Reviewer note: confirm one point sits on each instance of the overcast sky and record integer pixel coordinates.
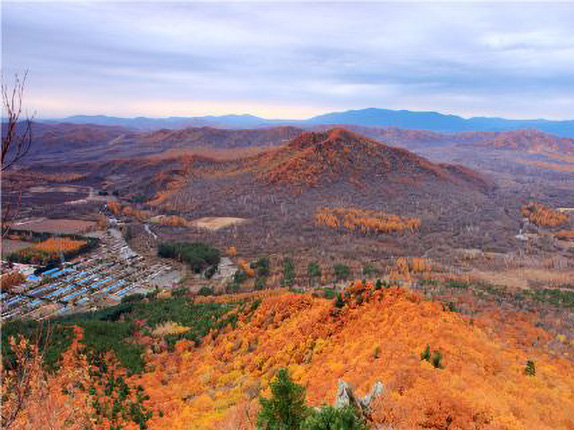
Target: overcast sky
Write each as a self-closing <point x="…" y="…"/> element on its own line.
<point x="292" y="60"/>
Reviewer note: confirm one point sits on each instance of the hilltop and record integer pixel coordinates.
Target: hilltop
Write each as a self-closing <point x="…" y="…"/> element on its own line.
<point x="529" y="140"/>
<point x="341" y="155"/>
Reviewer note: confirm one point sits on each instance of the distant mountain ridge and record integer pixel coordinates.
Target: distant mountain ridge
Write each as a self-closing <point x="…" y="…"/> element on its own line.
<point x="370" y="117"/>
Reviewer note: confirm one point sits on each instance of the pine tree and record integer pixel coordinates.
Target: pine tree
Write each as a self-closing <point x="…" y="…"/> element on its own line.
<point x="437" y="360"/>
<point x="339" y="302"/>
<point x="530" y="369"/>
<point x="288" y="272"/>
<point x="286" y="409"/>
<point x="426" y="354"/>
<point x="314" y="270"/>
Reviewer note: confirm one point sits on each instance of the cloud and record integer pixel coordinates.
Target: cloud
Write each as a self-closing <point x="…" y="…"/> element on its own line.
<point x="293" y="59"/>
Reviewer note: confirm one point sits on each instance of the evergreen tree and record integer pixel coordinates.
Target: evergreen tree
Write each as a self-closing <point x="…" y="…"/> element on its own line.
<point x="330" y="418"/>
<point x="437" y="360"/>
<point x="262" y="267"/>
<point x="426" y="354"/>
<point x="339" y="302"/>
<point x="286" y="409"/>
<point x="342" y="271"/>
<point x="288" y="272"/>
<point x="314" y="270"/>
<point x="530" y="369"/>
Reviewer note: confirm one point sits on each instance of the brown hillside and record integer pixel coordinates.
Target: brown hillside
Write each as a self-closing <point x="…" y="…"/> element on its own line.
<point x="530" y="140"/>
<point x="219" y="138"/>
<point x="317" y="158"/>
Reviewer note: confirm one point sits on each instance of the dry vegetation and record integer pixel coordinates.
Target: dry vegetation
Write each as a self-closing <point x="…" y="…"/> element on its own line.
<point x="543" y="215"/>
<point x="10" y="280"/>
<point x="365" y="221"/>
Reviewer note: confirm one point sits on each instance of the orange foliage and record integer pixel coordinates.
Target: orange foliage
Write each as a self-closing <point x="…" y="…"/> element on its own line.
<point x="231" y="251"/>
<point x="10" y="280"/>
<point x="172" y="180"/>
<point x="54" y="245"/>
<point x="482" y="385"/>
<point x="565" y="234"/>
<point x="543" y="215"/>
<point x="246" y="268"/>
<point x="136" y="213"/>
<point x="364" y="220"/>
<point x="114" y="207"/>
<point x="173" y="220"/>
<point x="35" y="399"/>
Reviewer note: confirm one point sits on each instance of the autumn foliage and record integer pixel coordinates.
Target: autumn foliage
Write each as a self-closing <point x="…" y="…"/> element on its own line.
<point x="376" y="335"/>
<point x="565" y="234"/>
<point x="82" y="394"/>
<point x="543" y="215"/>
<point x="49" y="249"/>
<point x="364" y="220"/>
<point x="59" y="244"/>
<point x="10" y="280"/>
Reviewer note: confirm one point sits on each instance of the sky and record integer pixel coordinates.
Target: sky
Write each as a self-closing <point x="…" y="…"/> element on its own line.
<point x="291" y="60"/>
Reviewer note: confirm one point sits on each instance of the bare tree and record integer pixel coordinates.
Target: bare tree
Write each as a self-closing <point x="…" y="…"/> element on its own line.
<point x="16" y="135"/>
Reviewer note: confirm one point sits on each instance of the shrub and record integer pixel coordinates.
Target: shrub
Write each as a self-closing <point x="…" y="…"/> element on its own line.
<point x="262" y="267"/>
<point x="197" y="255"/>
<point x="339" y="302"/>
<point x="205" y="291"/>
<point x="314" y="270"/>
<point x="426" y="354"/>
<point x="133" y="298"/>
<point x="260" y="284"/>
<point x="286" y="409"/>
<point x="210" y="271"/>
<point x="232" y="288"/>
<point x="530" y="369"/>
<point x="239" y="276"/>
<point x="342" y="272"/>
<point x="437" y="360"/>
<point x="180" y="292"/>
<point x="288" y="272"/>
<point x="329" y="293"/>
<point x="369" y="269"/>
<point x="330" y="418"/>
<point x="457" y="284"/>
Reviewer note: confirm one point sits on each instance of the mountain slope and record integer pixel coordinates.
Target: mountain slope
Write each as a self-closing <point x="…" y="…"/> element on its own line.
<point x="528" y="140"/>
<point x="375" y="336"/>
<point x="316" y="158"/>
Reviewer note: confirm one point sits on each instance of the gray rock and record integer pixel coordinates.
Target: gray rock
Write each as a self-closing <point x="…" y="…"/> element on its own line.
<point x="346" y="398"/>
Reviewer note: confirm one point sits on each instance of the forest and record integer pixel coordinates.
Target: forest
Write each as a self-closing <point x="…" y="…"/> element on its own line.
<point x="220" y="361"/>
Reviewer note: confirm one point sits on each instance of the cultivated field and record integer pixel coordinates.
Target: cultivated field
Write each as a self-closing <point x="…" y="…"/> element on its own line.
<point x="55" y="226"/>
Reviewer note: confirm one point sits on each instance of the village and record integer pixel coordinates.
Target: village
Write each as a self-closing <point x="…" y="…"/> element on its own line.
<point x="91" y="281"/>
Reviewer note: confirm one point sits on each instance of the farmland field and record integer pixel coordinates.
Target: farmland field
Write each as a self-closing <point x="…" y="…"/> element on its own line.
<point x="9" y="246"/>
<point x="55" y="226"/>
